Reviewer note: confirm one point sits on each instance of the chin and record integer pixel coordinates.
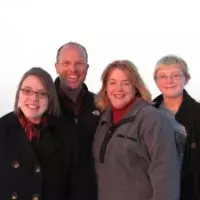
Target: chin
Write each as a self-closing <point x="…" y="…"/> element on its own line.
<point x="74" y="86"/>
<point x="119" y="106"/>
<point x="173" y="95"/>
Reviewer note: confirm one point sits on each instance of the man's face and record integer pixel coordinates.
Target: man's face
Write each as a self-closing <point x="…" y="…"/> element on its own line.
<point x="72" y="66"/>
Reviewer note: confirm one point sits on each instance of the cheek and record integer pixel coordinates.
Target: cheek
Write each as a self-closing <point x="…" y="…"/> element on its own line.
<point x="83" y="72"/>
<point x="21" y="100"/>
<point x="182" y="84"/>
<point x="63" y="72"/>
<point x="44" y="104"/>
<point x="130" y="93"/>
<point x="160" y="85"/>
<point x="109" y="90"/>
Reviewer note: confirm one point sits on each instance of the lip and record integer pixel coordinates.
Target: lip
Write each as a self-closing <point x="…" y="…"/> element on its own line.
<point x="170" y="87"/>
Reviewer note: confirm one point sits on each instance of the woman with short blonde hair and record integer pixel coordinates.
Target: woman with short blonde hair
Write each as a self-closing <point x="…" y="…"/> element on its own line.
<point x="171" y="75"/>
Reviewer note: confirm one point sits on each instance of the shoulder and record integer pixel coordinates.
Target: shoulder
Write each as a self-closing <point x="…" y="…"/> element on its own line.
<point x="149" y="116"/>
<point x="188" y="100"/>
<point x="147" y="110"/>
<point x="189" y="107"/>
<point x="157" y="100"/>
<point x="8" y="122"/>
<point x="88" y="94"/>
<point x="9" y="119"/>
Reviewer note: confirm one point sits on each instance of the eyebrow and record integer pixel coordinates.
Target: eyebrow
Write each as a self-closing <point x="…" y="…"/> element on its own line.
<point x="125" y="80"/>
<point x="28" y="87"/>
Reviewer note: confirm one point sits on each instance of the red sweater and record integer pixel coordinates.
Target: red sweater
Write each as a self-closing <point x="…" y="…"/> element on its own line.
<point x="118" y="113"/>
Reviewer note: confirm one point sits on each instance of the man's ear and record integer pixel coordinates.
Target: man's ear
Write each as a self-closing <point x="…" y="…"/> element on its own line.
<point x="56" y="66"/>
<point x="88" y="65"/>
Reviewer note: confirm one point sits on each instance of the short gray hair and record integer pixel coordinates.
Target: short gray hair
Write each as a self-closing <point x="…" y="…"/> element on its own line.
<point x="172" y="60"/>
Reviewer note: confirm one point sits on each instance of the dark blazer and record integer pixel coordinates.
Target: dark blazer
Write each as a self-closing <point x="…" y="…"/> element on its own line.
<point x="53" y="168"/>
<point x="189" y="116"/>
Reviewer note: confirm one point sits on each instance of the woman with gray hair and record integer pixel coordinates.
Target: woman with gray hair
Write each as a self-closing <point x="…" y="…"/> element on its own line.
<point x="171" y="75"/>
<point x="39" y="150"/>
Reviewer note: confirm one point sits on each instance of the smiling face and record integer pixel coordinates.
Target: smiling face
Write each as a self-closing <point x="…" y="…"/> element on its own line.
<point x="171" y="80"/>
<point x="33" y="99"/>
<point x="119" y="89"/>
<point x="72" y="66"/>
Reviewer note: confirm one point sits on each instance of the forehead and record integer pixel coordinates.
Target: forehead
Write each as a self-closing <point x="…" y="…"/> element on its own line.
<point x="33" y="82"/>
<point x="118" y="74"/>
<point x="169" y="68"/>
<point x="70" y="52"/>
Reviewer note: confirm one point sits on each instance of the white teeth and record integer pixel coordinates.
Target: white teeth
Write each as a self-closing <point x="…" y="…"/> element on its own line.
<point x="32" y="106"/>
<point x="72" y="77"/>
<point x="119" y="95"/>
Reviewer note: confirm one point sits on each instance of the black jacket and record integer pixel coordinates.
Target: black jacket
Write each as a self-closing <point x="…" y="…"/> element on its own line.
<point x="86" y="120"/>
<point x="189" y="116"/>
<point x="55" y="169"/>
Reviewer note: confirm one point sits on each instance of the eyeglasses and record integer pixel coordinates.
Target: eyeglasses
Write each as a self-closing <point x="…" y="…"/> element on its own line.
<point x="172" y="76"/>
<point x="30" y="92"/>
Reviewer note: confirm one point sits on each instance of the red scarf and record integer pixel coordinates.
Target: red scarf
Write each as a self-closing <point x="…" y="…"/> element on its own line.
<point x="118" y="114"/>
<point x="32" y="131"/>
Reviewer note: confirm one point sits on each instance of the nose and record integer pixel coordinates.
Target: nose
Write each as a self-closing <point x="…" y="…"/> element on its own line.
<point x="119" y="87"/>
<point x="169" y="79"/>
<point x="72" y="67"/>
<point x="35" y="97"/>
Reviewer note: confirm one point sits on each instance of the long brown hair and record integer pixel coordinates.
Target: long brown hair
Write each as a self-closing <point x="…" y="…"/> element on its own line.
<point x="47" y="81"/>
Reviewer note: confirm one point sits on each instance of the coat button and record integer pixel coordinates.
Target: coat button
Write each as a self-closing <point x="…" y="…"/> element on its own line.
<point x="14" y="195"/>
<point x="193" y="145"/>
<point x="37" y="169"/>
<point x="76" y="120"/>
<point x="15" y="164"/>
<point x="35" y="197"/>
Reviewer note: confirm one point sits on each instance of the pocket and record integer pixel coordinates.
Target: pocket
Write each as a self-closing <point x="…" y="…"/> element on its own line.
<point x="129" y="143"/>
<point x="126" y="137"/>
<point x="133" y="146"/>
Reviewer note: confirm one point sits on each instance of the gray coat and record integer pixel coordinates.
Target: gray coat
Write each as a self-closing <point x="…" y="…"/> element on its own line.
<point x="136" y="159"/>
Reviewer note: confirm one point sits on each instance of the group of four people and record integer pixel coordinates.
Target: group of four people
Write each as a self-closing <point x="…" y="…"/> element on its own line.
<point x="62" y="142"/>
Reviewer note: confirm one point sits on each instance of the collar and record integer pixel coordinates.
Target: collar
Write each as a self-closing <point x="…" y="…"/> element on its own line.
<point x="187" y="105"/>
<point x="132" y="111"/>
<point x="11" y="119"/>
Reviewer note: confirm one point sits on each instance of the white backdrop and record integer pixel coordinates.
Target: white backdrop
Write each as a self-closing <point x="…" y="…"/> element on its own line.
<point x="139" y="30"/>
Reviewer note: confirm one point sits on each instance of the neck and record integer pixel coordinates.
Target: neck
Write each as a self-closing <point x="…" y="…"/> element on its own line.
<point x="173" y="104"/>
<point x="118" y="113"/>
<point x="71" y="93"/>
<point x="34" y="120"/>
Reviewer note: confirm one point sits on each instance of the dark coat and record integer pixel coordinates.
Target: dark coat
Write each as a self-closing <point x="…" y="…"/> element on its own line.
<point x="86" y="120"/>
<point x="189" y="116"/>
<point x="52" y="169"/>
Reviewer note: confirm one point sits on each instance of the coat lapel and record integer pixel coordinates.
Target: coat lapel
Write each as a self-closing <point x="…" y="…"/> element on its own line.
<point x="18" y="145"/>
<point x="17" y="141"/>
<point x="48" y="143"/>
